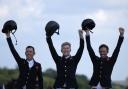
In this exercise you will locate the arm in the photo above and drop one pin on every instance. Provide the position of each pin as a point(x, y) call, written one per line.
point(89, 47)
point(13, 50)
point(52, 49)
point(118, 46)
point(81, 47)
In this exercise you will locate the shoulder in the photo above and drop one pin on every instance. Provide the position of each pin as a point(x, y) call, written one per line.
point(38, 64)
point(23, 60)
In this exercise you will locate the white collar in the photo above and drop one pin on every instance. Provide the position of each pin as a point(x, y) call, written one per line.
point(31, 63)
point(67, 57)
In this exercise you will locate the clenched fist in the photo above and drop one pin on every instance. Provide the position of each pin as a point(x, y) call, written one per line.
point(7, 34)
point(81, 34)
point(121, 30)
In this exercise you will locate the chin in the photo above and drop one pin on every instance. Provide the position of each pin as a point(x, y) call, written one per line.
point(29, 58)
point(66, 54)
point(103, 56)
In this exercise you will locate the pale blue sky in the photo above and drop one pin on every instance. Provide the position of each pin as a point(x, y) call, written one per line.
point(32, 15)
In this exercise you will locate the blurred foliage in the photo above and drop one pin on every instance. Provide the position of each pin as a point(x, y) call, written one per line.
point(49, 76)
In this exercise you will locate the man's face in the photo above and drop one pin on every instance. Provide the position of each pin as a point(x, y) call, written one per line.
point(103, 52)
point(66, 49)
point(29, 53)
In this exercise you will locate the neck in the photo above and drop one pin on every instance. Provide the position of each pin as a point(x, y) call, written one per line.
point(29, 59)
point(66, 56)
point(104, 57)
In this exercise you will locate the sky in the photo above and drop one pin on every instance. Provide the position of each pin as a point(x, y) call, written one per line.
point(31, 17)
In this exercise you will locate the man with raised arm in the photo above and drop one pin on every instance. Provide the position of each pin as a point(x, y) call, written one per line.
point(103, 65)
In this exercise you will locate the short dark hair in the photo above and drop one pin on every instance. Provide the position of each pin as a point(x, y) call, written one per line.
point(31, 47)
point(65, 43)
point(104, 45)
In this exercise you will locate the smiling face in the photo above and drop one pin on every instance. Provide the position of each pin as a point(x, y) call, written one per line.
point(103, 50)
point(66, 49)
point(30, 52)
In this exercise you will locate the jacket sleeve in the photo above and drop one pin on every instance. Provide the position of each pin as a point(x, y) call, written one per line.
point(52, 49)
point(117, 49)
point(14, 52)
point(40, 78)
point(90, 49)
point(79, 51)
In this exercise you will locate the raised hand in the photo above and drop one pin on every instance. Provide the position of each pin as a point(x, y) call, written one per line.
point(8, 34)
point(81, 34)
point(121, 30)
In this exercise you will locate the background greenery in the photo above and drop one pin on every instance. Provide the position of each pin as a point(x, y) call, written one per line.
point(49, 76)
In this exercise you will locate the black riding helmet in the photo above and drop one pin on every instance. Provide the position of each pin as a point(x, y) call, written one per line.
point(9, 26)
point(88, 24)
point(51, 28)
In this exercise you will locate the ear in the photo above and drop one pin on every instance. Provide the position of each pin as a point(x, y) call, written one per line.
point(61, 49)
point(25, 52)
point(34, 53)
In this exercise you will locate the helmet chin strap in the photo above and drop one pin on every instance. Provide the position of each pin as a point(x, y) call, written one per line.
point(91, 31)
point(57, 32)
point(14, 36)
